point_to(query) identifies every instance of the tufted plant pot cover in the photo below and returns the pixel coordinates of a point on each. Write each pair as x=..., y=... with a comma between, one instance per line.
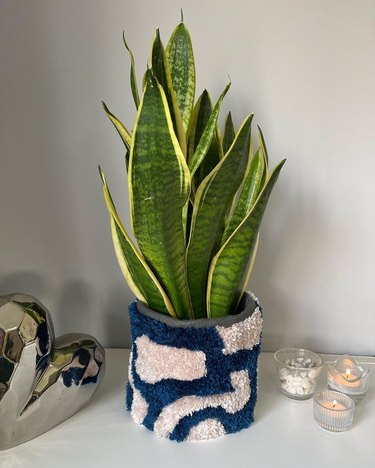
x=194, y=379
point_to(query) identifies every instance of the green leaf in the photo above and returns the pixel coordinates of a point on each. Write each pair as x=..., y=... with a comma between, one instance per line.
x=251, y=151
x=200, y=116
x=137, y=273
x=159, y=186
x=162, y=73
x=181, y=61
x=133, y=76
x=120, y=127
x=250, y=265
x=212, y=199
x=250, y=190
x=229, y=133
x=144, y=80
x=262, y=145
x=127, y=156
x=207, y=135
x=229, y=267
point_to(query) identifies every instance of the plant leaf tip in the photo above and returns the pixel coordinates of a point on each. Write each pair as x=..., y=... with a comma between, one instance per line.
x=101, y=173
x=124, y=39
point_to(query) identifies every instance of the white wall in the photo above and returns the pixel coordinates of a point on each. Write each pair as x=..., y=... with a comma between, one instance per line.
x=307, y=69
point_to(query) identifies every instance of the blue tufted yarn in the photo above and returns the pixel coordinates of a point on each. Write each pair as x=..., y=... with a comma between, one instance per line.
x=154, y=397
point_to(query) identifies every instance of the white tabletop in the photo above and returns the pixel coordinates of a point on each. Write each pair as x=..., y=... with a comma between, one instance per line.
x=283, y=435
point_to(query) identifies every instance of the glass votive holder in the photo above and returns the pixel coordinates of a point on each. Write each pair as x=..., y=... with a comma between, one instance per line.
x=345, y=375
x=297, y=371
x=333, y=411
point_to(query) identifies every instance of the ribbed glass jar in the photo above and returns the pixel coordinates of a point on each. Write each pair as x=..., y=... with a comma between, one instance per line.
x=333, y=411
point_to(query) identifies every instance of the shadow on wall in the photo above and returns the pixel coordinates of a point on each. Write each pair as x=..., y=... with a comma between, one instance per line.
x=75, y=308
x=26, y=282
x=290, y=247
x=81, y=307
x=115, y=318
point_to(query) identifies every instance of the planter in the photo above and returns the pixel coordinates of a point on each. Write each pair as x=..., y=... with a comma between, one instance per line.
x=194, y=379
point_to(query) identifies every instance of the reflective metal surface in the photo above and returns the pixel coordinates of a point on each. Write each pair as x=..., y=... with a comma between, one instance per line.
x=43, y=380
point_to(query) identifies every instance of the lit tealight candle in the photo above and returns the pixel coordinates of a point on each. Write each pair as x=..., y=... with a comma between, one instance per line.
x=333, y=411
x=334, y=405
x=346, y=376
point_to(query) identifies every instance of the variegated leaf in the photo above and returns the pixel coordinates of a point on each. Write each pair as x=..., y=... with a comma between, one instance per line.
x=162, y=73
x=262, y=145
x=199, y=119
x=159, y=186
x=120, y=127
x=137, y=273
x=212, y=200
x=229, y=133
x=207, y=135
x=229, y=267
x=181, y=61
x=250, y=190
x=133, y=75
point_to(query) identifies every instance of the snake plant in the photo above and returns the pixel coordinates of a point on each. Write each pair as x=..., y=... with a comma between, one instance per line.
x=197, y=195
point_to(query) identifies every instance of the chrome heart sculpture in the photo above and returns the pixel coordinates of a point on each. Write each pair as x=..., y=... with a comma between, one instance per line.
x=43, y=380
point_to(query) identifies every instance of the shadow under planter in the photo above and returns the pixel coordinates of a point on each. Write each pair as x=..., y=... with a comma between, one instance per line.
x=43, y=381
x=194, y=379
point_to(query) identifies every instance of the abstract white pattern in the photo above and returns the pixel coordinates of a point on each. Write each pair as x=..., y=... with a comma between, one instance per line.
x=207, y=429
x=242, y=335
x=157, y=362
x=139, y=405
x=232, y=402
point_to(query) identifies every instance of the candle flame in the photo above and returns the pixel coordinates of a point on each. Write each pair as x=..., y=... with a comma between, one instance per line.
x=348, y=373
x=334, y=403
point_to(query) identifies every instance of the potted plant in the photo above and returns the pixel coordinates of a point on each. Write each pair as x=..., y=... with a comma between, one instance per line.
x=197, y=197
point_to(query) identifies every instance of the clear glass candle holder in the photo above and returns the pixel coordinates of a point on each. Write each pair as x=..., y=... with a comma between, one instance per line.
x=346, y=376
x=297, y=371
x=333, y=411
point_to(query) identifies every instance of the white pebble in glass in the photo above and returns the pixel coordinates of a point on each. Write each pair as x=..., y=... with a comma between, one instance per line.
x=333, y=411
x=298, y=371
